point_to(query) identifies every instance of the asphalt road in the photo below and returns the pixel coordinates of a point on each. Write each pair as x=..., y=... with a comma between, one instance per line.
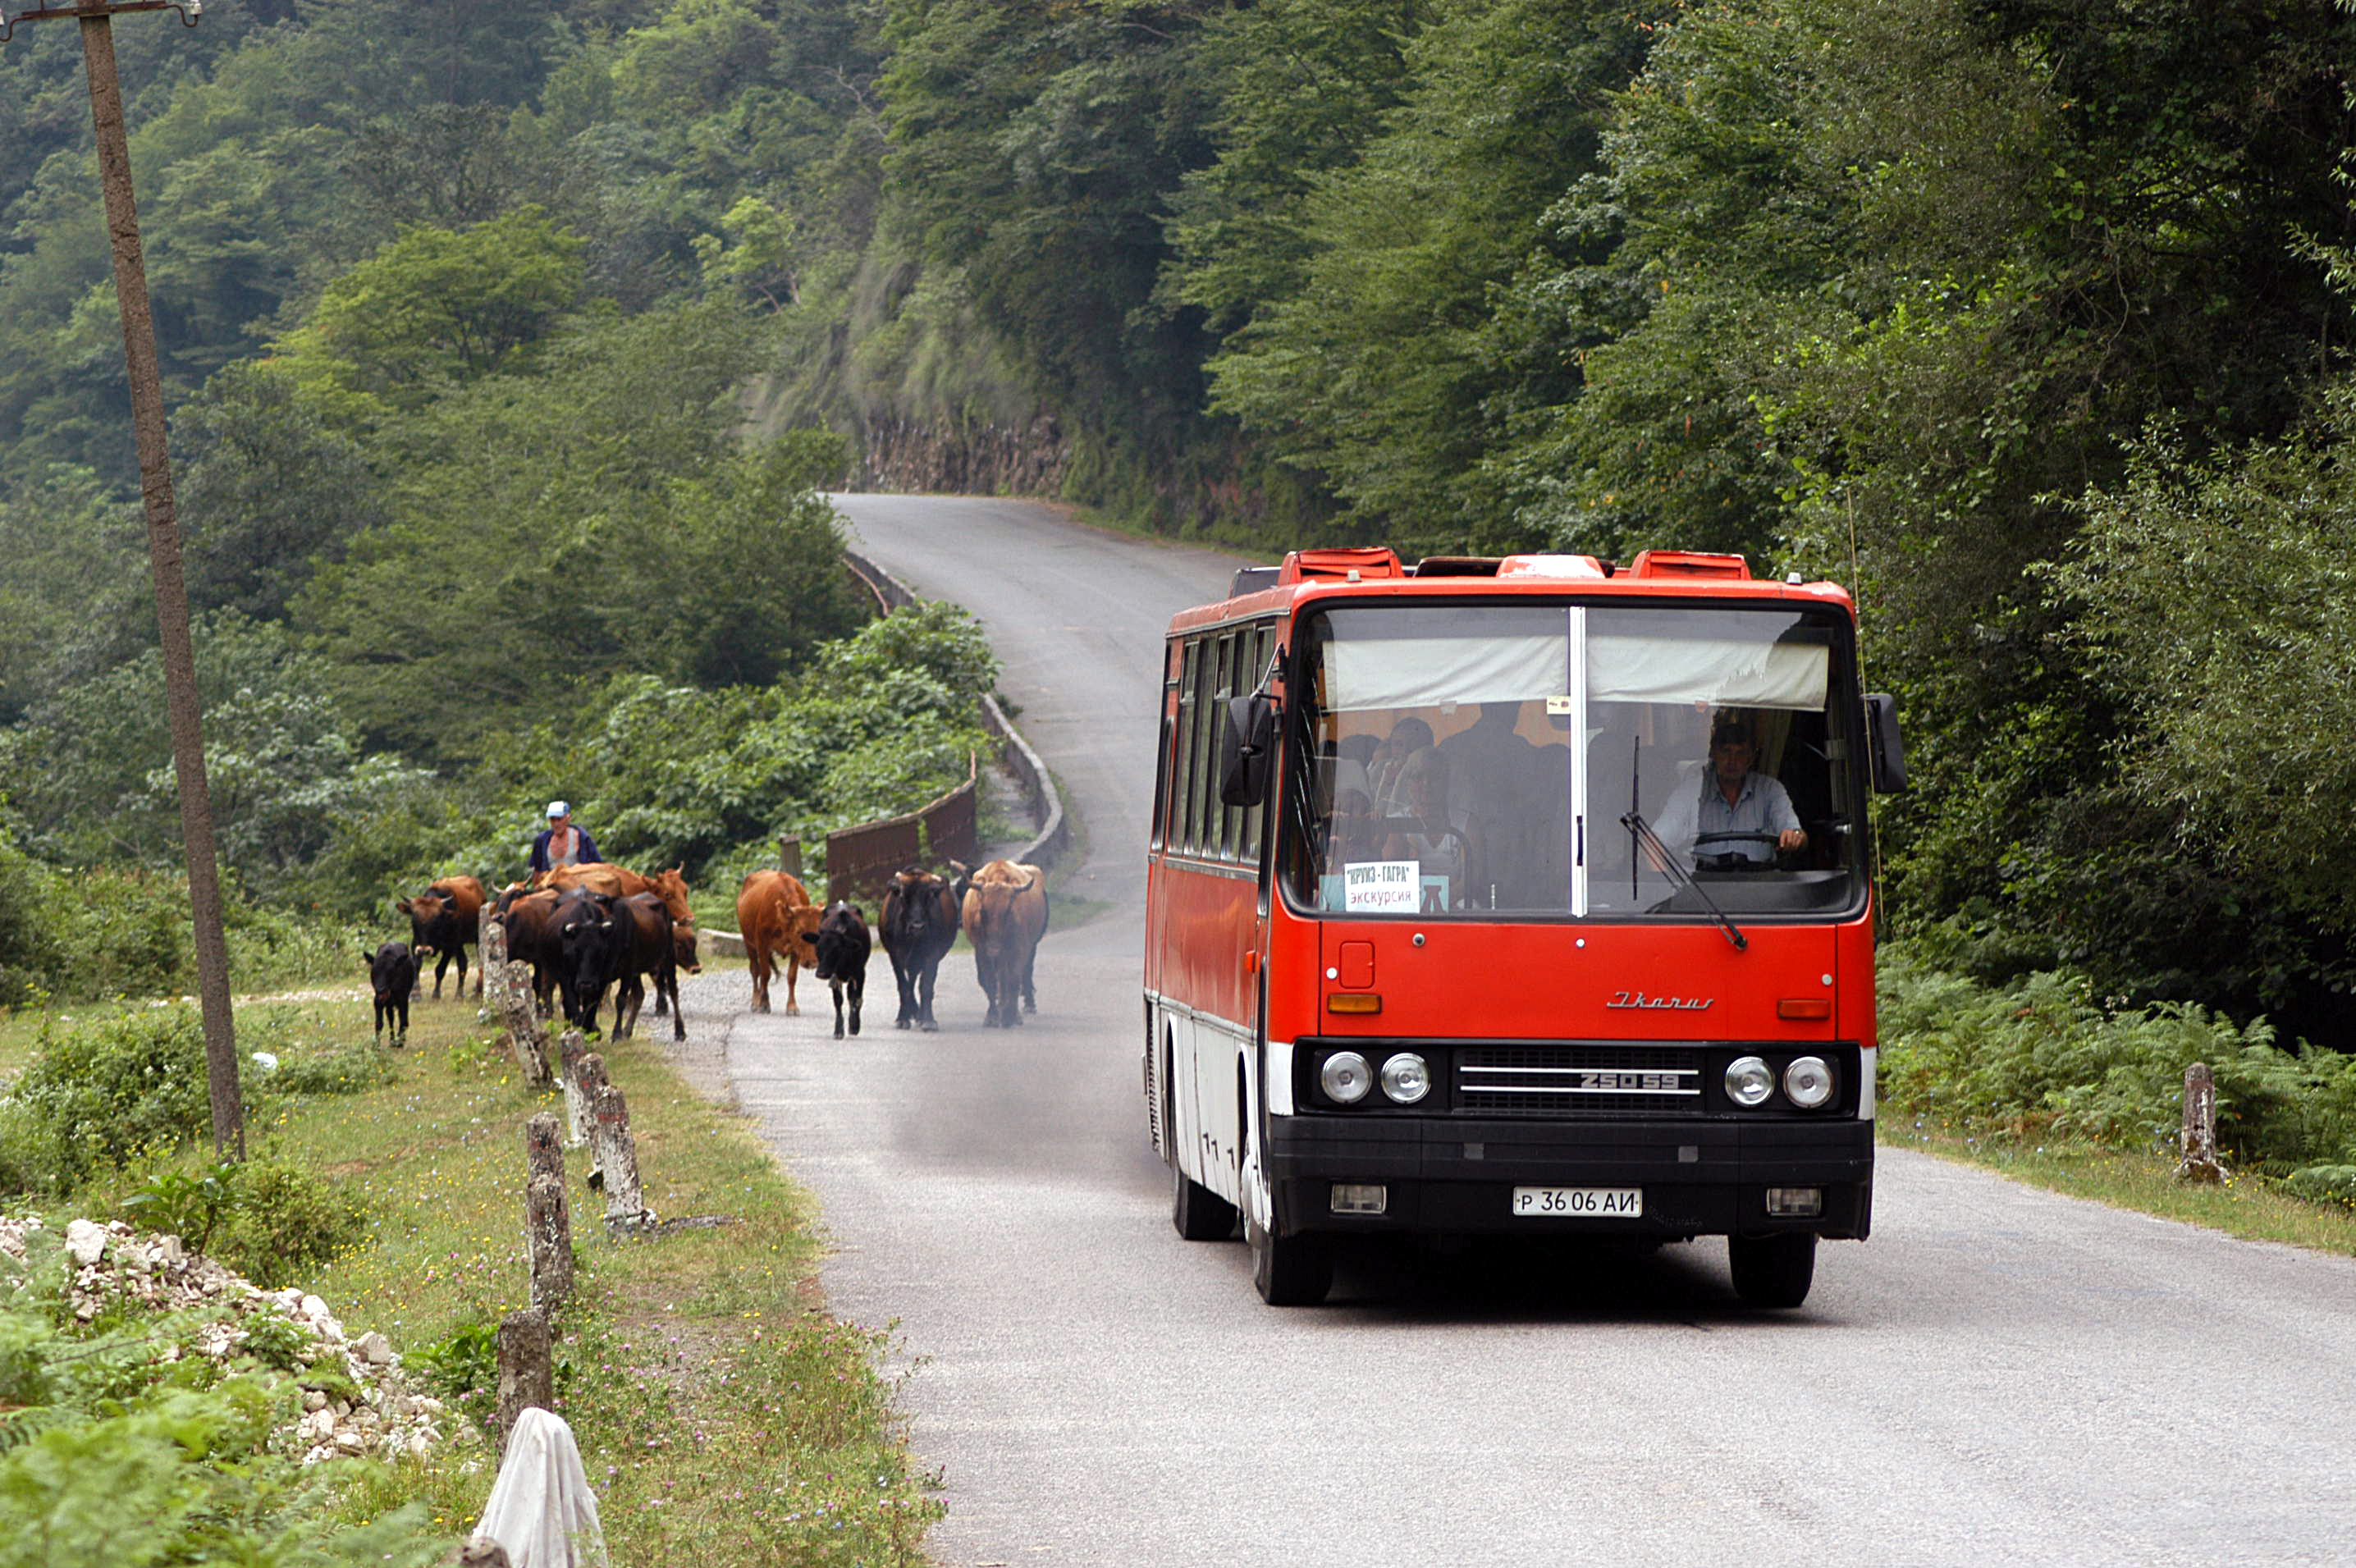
x=1999, y=1375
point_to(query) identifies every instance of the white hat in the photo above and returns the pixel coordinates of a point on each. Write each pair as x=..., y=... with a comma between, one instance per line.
x=558, y=808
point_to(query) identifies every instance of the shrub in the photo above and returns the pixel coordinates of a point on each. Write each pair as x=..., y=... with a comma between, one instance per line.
x=120, y=933
x=284, y=1219
x=117, y=1085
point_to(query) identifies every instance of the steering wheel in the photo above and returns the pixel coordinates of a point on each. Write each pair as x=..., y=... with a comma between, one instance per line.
x=1740, y=863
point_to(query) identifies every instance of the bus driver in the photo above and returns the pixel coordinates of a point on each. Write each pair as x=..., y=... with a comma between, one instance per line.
x=1732, y=819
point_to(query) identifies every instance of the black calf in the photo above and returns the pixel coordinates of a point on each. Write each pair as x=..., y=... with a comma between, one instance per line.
x=843, y=948
x=392, y=974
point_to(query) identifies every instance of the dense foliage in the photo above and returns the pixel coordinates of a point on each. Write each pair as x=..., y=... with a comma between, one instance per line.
x=2027, y=320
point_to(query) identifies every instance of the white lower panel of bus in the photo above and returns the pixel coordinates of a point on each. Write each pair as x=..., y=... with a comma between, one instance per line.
x=1579, y=1203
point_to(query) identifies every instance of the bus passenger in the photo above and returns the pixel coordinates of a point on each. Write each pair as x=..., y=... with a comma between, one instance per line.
x=1408, y=736
x=1439, y=838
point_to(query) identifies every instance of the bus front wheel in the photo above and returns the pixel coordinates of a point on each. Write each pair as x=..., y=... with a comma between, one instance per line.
x=1289, y=1271
x=1199, y=1213
x=1772, y=1271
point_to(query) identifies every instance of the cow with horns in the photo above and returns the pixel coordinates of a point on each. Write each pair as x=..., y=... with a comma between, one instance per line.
x=920, y=924
x=1004, y=914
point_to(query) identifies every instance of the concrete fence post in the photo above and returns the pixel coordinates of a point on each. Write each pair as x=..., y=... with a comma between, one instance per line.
x=547, y=1213
x=527, y=1369
x=571, y=1051
x=589, y=1071
x=789, y=856
x=485, y=918
x=2199, y=1138
x=508, y=988
x=548, y=1226
x=617, y=1158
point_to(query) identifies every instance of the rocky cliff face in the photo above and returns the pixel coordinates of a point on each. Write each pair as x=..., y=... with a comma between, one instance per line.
x=985, y=460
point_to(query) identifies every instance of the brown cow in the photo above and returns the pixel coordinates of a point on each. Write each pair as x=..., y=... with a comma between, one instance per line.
x=1004, y=916
x=779, y=924
x=445, y=918
x=621, y=882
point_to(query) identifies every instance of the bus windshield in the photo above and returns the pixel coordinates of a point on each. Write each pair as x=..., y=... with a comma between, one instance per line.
x=1549, y=760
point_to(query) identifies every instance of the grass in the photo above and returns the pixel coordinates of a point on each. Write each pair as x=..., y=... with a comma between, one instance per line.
x=2249, y=1208
x=724, y=1419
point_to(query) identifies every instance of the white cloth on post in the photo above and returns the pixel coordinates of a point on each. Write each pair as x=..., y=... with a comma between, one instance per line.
x=541, y=1510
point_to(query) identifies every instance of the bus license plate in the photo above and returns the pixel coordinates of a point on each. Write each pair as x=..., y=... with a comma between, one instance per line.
x=1576, y=1203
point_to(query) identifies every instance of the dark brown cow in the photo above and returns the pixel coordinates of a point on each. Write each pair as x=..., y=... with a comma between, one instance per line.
x=447, y=920
x=532, y=939
x=779, y=924
x=920, y=925
x=1004, y=916
x=619, y=881
x=647, y=948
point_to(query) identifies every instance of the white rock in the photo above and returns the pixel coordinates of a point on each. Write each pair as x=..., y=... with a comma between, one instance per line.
x=374, y=1349
x=313, y=1399
x=351, y=1442
x=85, y=1242
x=314, y=1308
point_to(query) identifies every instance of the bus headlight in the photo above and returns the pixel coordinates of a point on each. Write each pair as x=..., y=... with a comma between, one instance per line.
x=1406, y=1079
x=1808, y=1081
x=1346, y=1078
x=1748, y=1081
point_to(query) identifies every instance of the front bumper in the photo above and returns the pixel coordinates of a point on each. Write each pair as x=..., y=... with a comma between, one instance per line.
x=1455, y=1176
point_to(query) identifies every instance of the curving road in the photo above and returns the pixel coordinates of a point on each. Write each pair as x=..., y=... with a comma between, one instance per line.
x=2001, y=1375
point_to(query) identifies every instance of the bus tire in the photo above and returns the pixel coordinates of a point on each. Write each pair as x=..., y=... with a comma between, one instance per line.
x=1772, y=1271
x=1199, y=1213
x=1289, y=1271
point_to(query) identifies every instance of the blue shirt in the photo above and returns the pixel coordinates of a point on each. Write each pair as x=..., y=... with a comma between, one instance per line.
x=1762, y=806
x=588, y=849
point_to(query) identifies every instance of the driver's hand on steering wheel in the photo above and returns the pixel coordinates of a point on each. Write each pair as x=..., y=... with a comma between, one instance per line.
x=1792, y=839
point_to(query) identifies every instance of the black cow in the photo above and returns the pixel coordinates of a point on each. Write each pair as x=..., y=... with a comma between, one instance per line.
x=920, y=925
x=590, y=942
x=843, y=948
x=392, y=974
x=649, y=947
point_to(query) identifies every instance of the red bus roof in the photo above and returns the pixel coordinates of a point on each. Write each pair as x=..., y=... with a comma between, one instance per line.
x=1377, y=572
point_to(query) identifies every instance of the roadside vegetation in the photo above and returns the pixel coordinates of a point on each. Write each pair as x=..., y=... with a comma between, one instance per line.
x=723, y=1418
x=2036, y=1075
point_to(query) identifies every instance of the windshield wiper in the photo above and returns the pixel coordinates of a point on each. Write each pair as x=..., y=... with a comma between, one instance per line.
x=1636, y=823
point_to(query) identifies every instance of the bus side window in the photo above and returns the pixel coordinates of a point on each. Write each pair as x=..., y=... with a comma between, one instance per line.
x=1202, y=788
x=1253, y=662
x=1181, y=756
x=1223, y=687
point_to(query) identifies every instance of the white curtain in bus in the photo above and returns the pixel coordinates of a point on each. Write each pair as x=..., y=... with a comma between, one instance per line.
x=1724, y=673
x=1424, y=672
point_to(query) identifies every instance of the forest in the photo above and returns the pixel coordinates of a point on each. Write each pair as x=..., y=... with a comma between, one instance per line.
x=508, y=350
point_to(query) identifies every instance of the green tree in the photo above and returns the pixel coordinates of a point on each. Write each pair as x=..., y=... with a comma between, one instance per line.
x=268, y=490
x=435, y=307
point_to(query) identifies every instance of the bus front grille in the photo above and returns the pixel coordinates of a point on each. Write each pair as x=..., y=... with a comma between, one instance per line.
x=1595, y=1081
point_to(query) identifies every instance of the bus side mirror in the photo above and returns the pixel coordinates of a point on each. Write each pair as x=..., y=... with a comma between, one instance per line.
x=1884, y=745
x=1246, y=737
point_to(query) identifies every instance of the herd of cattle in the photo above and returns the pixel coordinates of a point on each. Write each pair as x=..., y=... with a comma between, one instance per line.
x=586, y=930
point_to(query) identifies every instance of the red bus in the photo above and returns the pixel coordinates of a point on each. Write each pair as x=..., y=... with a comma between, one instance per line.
x=1528, y=896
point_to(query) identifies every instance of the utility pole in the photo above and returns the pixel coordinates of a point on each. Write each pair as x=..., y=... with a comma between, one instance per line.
x=96, y=17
